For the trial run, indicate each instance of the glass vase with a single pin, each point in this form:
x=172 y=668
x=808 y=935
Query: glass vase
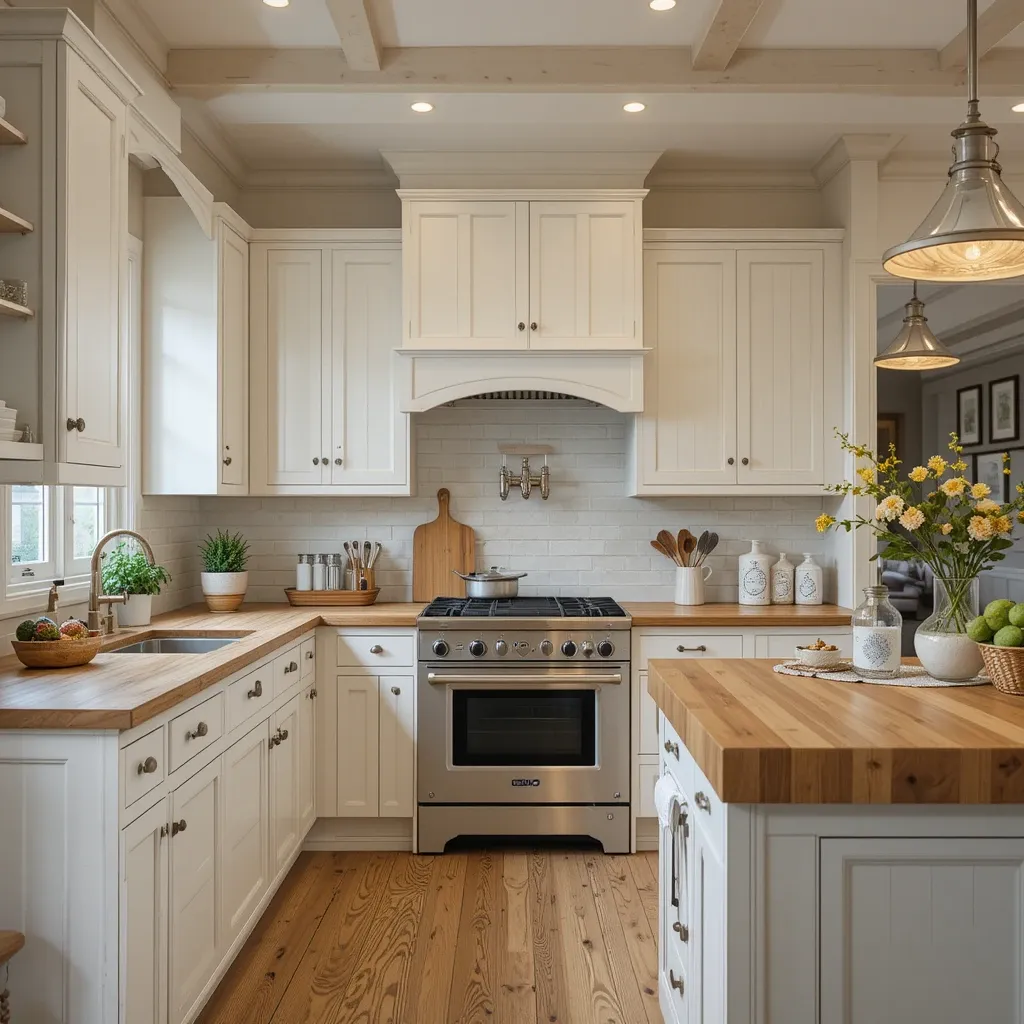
x=877 y=636
x=941 y=641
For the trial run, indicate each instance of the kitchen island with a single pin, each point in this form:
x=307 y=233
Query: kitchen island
x=840 y=852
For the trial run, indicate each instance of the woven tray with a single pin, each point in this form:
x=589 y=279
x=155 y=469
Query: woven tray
x=332 y=598
x=910 y=675
x=57 y=653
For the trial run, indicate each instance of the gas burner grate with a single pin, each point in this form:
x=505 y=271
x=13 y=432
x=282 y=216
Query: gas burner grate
x=524 y=608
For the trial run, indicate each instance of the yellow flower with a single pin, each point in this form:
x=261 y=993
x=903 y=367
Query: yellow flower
x=889 y=508
x=980 y=528
x=937 y=464
x=867 y=474
x=987 y=506
x=953 y=487
x=946 y=529
x=980 y=490
x=918 y=474
x=1020 y=517
x=959 y=466
x=823 y=522
x=1002 y=524
x=912 y=518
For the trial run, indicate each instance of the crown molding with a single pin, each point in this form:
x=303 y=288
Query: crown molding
x=206 y=132
x=731 y=179
x=354 y=179
x=874 y=147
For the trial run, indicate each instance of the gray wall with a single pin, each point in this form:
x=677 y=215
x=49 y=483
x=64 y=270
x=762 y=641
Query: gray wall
x=899 y=393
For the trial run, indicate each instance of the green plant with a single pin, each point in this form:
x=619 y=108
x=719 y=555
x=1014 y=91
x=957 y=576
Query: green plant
x=224 y=552
x=126 y=570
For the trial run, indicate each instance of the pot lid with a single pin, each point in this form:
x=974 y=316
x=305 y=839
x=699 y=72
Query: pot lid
x=493 y=575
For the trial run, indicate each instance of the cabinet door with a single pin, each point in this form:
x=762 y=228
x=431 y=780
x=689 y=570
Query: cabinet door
x=290 y=388
x=284 y=784
x=370 y=435
x=196 y=942
x=674 y=909
x=584 y=280
x=687 y=431
x=465 y=274
x=780 y=376
x=924 y=929
x=245 y=830
x=92 y=209
x=144 y=917
x=397 y=745
x=358 y=746
x=233 y=283
x=305 y=747
x=707 y=934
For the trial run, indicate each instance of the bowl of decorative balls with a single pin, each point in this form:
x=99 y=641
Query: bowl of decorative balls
x=41 y=643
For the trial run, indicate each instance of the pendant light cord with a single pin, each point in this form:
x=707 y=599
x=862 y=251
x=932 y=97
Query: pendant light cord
x=973 y=106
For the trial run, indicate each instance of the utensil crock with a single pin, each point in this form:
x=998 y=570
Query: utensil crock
x=690 y=582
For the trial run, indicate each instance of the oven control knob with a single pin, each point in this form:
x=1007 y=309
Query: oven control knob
x=500 y=647
x=440 y=648
x=546 y=647
x=587 y=647
x=569 y=648
x=606 y=648
x=477 y=648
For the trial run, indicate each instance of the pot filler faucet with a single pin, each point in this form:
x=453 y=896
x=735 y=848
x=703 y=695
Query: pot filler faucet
x=96 y=595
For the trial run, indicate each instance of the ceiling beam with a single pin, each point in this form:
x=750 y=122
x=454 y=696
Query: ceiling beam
x=729 y=23
x=657 y=69
x=359 y=40
x=995 y=23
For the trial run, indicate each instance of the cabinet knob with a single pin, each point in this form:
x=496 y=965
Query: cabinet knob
x=682 y=931
x=672 y=748
x=282 y=735
x=533 y=325
x=376 y=649
x=256 y=691
x=396 y=690
x=148 y=766
x=337 y=462
x=164 y=829
x=674 y=981
x=226 y=460
x=746 y=462
x=521 y=325
x=682 y=648
x=178 y=826
x=326 y=461
x=309 y=655
x=78 y=424
x=316 y=462
x=730 y=460
x=312 y=694
x=201 y=730
x=702 y=801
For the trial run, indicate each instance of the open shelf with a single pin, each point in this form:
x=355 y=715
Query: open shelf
x=13 y=309
x=9 y=135
x=11 y=223
x=21 y=451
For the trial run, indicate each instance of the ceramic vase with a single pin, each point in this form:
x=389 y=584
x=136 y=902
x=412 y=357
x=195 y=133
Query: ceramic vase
x=690 y=582
x=807 y=581
x=224 y=591
x=137 y=612
x=941 y=641
x=755 y=575
x=782 y=580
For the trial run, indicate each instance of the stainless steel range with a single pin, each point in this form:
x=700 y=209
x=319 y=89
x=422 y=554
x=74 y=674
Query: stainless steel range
x=523 y=720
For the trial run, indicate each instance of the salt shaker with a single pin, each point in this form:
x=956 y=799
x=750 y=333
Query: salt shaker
x=304 y=573
x=320 y=573
x=334 y=572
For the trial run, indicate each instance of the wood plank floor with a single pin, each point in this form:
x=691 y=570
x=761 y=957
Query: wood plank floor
x=504 y=937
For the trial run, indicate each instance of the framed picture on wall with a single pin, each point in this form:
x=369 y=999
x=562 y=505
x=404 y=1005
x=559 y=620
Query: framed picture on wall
x=968 y=414
x=1003 y=410
x=1016 y=470
x=889 y=424
x=988 y=469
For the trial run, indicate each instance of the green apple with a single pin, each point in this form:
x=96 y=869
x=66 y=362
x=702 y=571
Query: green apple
x=997 y=619
x=1009 y=636
x=979 y=630
x=1017 y=615
x=1000 y=604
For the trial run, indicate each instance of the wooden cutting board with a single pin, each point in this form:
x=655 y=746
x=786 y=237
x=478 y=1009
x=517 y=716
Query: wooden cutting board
x=437 y=549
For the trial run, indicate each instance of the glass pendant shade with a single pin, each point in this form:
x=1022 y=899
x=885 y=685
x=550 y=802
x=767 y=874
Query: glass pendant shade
x=915 y=347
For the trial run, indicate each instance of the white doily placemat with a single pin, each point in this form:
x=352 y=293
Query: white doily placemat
x=910 y=675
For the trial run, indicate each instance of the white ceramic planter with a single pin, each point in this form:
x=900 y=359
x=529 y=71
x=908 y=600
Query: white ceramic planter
x=224 y=591
x=137 y=612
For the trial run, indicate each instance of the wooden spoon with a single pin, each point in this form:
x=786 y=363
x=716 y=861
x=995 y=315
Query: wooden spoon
x=658 y=546
x=669 y=543
x=686 y=543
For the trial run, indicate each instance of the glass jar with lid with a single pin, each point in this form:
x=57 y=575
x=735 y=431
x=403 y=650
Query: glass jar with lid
x=877 y=636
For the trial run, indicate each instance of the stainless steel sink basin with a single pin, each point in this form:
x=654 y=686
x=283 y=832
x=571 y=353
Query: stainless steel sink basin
x=178 y=645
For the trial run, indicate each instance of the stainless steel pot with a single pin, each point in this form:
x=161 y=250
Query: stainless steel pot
x=493 y=583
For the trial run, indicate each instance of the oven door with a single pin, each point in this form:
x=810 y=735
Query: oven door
x=529 y=736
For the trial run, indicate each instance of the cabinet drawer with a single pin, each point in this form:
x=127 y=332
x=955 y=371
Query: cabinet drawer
x=689 y=646
x=142 y=765
x=249 y=694
x=645 y=798
x=194 y=730
x=376 y=650
x=286 y=670
x=675 y=757
x=307 y=658
x=783 y=645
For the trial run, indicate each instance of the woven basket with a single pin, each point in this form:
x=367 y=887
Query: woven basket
x=1005 y=666
x=57 y=653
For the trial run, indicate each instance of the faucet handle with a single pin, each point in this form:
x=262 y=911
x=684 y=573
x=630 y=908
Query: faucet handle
x=53 y=597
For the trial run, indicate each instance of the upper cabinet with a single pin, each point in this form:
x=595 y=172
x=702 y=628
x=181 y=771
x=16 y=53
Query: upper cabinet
x=504 y=270
x=325 y=319
x=63 y=364
x=745 y=337
x=195 y=394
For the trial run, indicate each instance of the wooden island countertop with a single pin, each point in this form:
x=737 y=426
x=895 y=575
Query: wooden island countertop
x=761 y=737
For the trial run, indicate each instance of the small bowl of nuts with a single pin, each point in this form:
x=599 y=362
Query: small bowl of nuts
x=820 y=655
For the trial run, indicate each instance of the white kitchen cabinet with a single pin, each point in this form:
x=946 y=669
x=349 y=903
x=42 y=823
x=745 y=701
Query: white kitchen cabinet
x=195 y=884
x=358 y=746
x=396 y=745
x=284 y=784
x=706 y=998
x=243 y=851
x=325 y=326
x=745 y=330
x=306 y=754
x=195 y=347
x=144 y=916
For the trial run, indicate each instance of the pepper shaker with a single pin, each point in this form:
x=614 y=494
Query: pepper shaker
x=320 y=573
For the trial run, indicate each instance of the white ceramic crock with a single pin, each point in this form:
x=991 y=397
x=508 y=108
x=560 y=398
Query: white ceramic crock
x=690 y=582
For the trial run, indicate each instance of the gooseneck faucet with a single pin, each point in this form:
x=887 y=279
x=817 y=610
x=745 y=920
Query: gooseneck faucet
x=96 y=595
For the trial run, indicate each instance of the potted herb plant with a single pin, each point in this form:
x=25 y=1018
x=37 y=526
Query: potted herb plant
x=224 y=577
x=126 y=570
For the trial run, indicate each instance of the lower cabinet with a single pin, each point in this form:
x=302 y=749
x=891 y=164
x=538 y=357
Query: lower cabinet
x=284 y=783
x=706 y=1000
x=358 y=746
x=396 y=745
x=306 y=753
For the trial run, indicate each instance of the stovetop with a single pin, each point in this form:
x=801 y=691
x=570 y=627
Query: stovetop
x=524 y=608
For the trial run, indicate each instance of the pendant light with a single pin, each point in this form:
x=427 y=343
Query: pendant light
x=915 y=347
x=975 y=232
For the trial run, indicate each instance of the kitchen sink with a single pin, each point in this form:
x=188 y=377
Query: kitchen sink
x=177 y=645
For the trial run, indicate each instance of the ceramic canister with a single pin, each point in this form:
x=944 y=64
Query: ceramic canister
x=690 y=583
x=782 y=577
x=755 y=575
x=808 y=581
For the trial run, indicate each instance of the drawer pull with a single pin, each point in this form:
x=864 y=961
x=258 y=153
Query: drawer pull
x=675 y=982
x=201 y=730
x=702 y=801
x=178 y=826
x=672 y=748
x=148 y=766
x=682 y=649
x=376 y=649
x=256 y=691
x=681 y=930
x=309 y=655
x=164 y=829
x=396 y=690
x=294 y=666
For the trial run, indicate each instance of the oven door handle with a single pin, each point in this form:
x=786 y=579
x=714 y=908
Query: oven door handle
x=539 y=679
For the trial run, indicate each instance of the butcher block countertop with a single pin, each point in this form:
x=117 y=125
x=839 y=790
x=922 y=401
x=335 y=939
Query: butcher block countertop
x=664 y=613
x=761 y=737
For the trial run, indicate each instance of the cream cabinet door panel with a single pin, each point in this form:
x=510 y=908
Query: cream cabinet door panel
x=466 y=276
x=306 y=753
x=144 y=917
x=584 y=282
x=284 y=783
x=233 y=252
x=780 y=352
x=707 y=933
x=397 y=745
x=195 y=939
x=688 y=426
x=358 y=746
x=92 y=210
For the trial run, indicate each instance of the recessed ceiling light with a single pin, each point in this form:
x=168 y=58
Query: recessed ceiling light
x=276 y=3
x=634 y=108
x=1018 y=108
x=422 y=107
x=662 y=5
